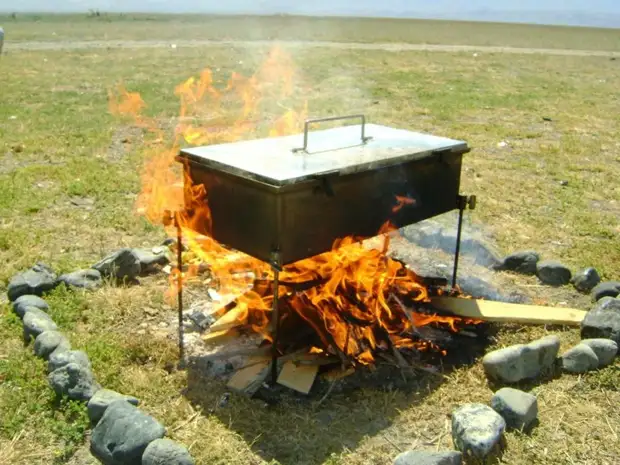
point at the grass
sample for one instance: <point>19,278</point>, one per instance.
<point>116,26</point>
<point>58,142</point>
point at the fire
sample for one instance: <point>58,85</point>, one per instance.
<point>401,202</point>
<point>355,305</point>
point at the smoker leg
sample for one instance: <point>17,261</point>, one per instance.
<point>463,202</point>
<point>457,250</point>
<point>180,290</point>
<point>275,324</point>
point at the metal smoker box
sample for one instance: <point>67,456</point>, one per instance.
<point>283,199</point>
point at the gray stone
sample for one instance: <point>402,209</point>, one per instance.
<point>421,457</point>
<point>426,234</point>
<point>74,381</point>
<point>553,273</point>
<point>98,404</point>
<point>35,281</point>
<point>477,430</point>
<point>477,248</point>
<point>579,359</point>
<point>36,322</point>
<point>151,259</point>
<point>60,359</point>
<point>22,303</point>
<point>166,452</point>
<point>606,289</point>
<point>48,342</point>
<point>82,279</point>
<point>429,234</point>
<point>585,280</point>
<point>603,321</point>
<point>519,409</point>
<point>122,265</point>
<point>523,262</point>
<point>123,434</point>
<point>522,361</point>
<point>605,350</point>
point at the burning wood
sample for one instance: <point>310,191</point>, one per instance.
<point>362,303</point>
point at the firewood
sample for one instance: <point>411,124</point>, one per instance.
<point>220,337</point>
<point>338,373</point>
<point>249,379</point>
<point>229,320</point>
<point>488,310</point>
<point>298,377</point>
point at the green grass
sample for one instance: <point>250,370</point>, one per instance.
<point>110,26</point>
<point>57,141</point>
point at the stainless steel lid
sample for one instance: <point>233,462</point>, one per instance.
<point>344,150</point>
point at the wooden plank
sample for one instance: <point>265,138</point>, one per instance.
<point>248,379</point>
<point>489,310</point>
<point>219,337</point>
<point>229,320</point>
<point>298,377</point>
<point>338,373</point>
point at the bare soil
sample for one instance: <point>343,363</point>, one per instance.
<point>391,47</point>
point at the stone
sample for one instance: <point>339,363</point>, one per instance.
<point>605,350</point>
<point>477,430</point>
<point>48,342</point>
<point>522,361</point>
<point>603,321</point>
<point>606,289</point>
<point>166,452</point>
<point>82,279</point>
<point>35,281</point>
<point>60,359</point>
<point>429,234</point>
<point>74,381</point>
<point>22,303</point>
<point>150,259</point>
<point>98,403</point>
<point>36,322</point>
<point>477,248</point>
<point>585,280</point>
<point>123,434</point>
<point>122,265</point>
<point>523,262</point>
<point>553,273</point>
<point>421,457</point>
<point>579,359</point>
<point>518,409</point>
<point>481,289</point>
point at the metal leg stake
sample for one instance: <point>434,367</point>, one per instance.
<point>463,202</point>
<point>275,324</point>
<point>458,248</point>
<point>180,289</point>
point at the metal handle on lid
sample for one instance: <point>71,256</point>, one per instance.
<point>308,122</point>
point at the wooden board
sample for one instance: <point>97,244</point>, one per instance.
<point>338,373</point>
<point>229,320</point>
<point>219,337</point>
<point>248,379</point>
<point>298,377</point>
<point>489,310</point>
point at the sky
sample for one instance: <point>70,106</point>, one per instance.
<point>605,12</point>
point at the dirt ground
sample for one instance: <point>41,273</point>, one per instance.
<point>391,47</point>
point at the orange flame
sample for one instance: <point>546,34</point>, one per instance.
<point>401,202</point>
<point>350,310</point>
